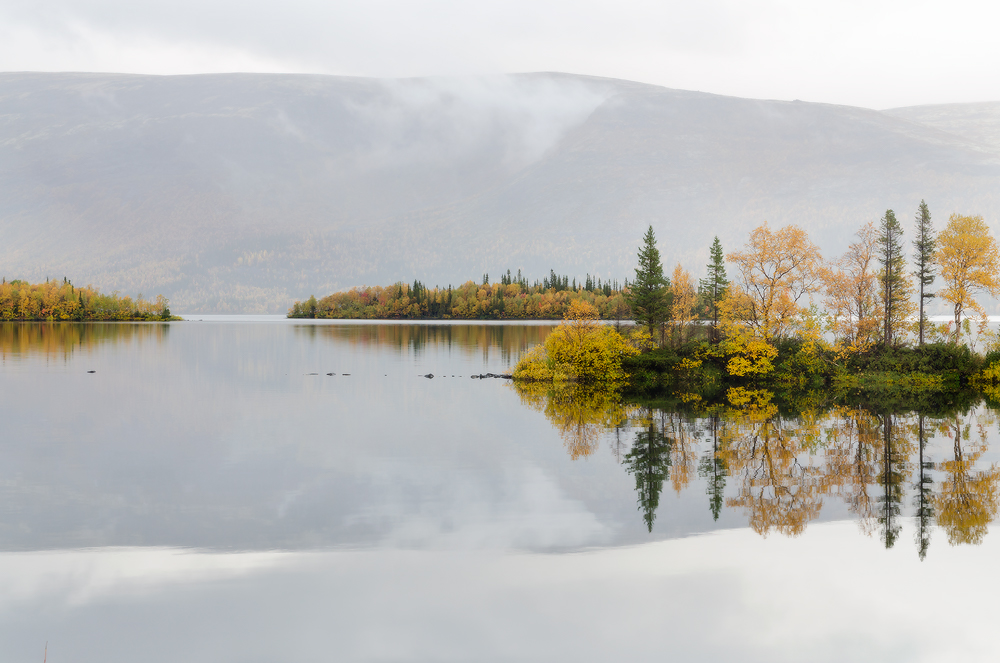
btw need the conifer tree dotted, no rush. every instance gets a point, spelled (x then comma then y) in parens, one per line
(892, 277)
(713, 287)
(925, 244)
(647, 296)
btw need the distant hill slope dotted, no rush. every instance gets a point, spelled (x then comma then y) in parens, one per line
(242, 192)
(978, 122)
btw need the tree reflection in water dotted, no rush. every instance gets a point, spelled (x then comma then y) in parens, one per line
(777, 465)
(649, 463)
(580, 414)
(62, 339)
(967, 501)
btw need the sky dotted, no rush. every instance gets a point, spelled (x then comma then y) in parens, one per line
(872, 53)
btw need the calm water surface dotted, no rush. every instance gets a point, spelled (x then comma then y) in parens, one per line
(210, 493)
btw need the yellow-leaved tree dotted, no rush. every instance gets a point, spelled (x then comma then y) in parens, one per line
(682, 312)
(970, 261)
(777, 272)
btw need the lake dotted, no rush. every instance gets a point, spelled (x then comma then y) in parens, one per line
(257, 489)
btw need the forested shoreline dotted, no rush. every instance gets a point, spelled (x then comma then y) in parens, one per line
(512, 298)
(55, 301)
(791, 322)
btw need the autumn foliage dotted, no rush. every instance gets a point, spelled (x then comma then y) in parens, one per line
(61, 300)
(780, 466)
(579, 350)
(470, 301)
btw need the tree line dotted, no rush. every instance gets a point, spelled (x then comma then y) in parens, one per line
(782, 289)
(512, 298)
(62, 301)
(869, 296)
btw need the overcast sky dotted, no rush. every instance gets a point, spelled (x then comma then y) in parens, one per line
(873, 53)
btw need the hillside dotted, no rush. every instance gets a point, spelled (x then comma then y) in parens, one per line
(242, 192)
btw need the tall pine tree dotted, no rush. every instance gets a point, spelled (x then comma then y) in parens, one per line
(891, 278)
(647, 295)
(713, 286)
(925, 244)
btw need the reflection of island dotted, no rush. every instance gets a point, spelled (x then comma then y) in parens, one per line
(60, 339)
(780, 467)
(470, 339)
(580, 414)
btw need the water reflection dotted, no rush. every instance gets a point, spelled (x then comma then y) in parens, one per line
(579, 414)
(60, 339)
(967, 500)
(503, 343)
(779, 468)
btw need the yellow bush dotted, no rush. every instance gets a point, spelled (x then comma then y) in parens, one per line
(748, 355)
(581, 350)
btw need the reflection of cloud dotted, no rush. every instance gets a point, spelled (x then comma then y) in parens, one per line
(523, 508)
(725, 596)
(79, 577)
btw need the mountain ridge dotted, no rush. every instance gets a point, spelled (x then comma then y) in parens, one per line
(243, 192)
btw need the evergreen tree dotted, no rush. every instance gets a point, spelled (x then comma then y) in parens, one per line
(925, 244)
(648, 294)
(713, 287)
(891, 278)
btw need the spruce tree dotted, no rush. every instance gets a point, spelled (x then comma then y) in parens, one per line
(925, 244)
(713, 287)
(647, 296)
(891, 276)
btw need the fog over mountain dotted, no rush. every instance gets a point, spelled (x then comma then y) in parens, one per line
(243, 192)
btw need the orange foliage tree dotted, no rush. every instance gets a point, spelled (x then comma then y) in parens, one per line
(777, 271)
(852, 292)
